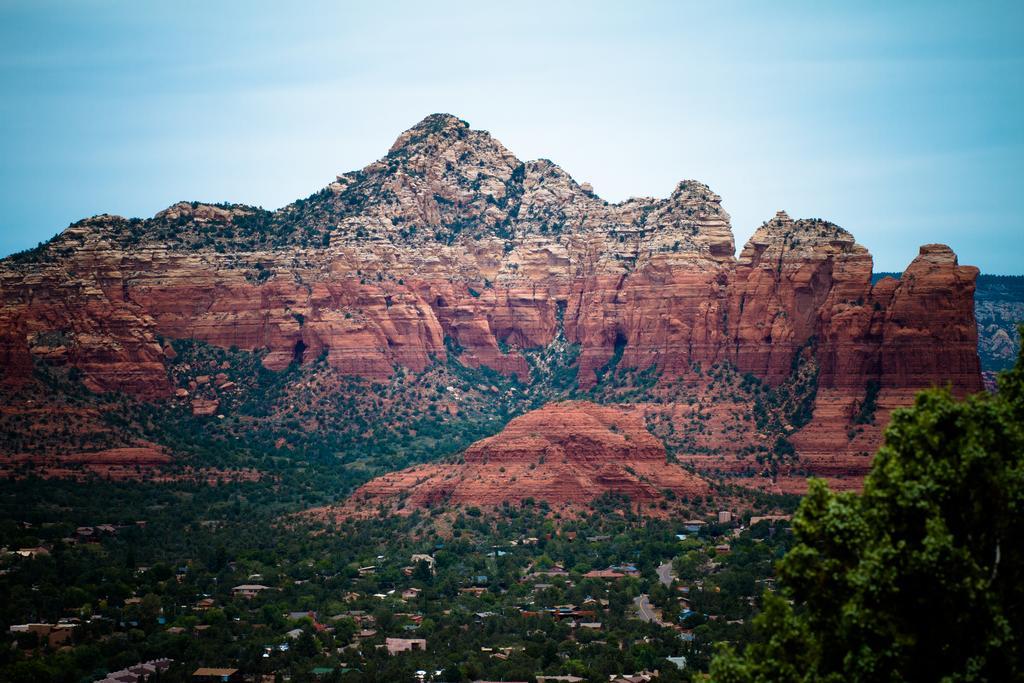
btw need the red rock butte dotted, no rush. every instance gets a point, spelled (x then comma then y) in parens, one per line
(564, 453)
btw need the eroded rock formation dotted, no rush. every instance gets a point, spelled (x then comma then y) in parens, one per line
(564, 453)
(452, 243)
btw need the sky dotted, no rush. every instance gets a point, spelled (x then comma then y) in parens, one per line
(902, 122)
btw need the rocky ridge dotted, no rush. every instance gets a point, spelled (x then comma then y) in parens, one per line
(451, 245)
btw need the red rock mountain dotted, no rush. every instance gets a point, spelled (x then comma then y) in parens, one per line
(565, 453)
(451, 237)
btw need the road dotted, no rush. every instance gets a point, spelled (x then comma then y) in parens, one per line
(646, 611)
(665, 574)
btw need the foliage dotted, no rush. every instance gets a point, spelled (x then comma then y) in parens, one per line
(921, 578)
(199, 541)
(866, 413)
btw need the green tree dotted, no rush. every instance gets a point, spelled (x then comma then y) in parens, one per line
(920, 578)
(306, 645)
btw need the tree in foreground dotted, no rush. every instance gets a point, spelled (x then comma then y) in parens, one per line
(920, 577)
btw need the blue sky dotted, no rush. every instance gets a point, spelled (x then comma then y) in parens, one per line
(903, 122)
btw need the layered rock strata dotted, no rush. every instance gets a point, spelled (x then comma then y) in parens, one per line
(452, 243)
(564, 453)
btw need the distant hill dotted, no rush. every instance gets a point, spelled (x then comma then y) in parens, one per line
(999, 308)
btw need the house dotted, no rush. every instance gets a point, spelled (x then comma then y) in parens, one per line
(60, 634)
(680, 662)
(641, 677)
(693, 525)
(368, 570)
(628, 569)
(724, 517)
(249, 590)
(205, 604)
(359, 616)
(605, 574)
(770, 518)
(475, 590)
(295, 616)
(40, 630)
(411, 593)
(420, 557)
(398, 645)
(37, 551)
(141, 671)
(414, 618)
(206, 674)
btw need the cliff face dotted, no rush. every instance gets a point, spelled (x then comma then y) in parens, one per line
(450, 242)
(564, 453)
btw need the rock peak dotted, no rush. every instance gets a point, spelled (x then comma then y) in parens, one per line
(796, 239)
(435, 125)
(440, 121)
(936, 254)
(936, 249)
(690, 188)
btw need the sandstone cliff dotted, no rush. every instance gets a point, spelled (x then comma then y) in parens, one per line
(452, 243)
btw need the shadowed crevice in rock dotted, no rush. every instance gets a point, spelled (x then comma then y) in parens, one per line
(298, 352)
